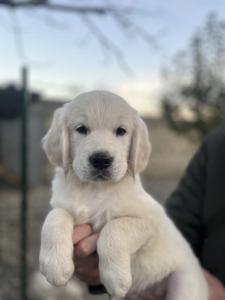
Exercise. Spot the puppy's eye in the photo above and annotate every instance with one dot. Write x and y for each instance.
(120, 131)
(82, 129)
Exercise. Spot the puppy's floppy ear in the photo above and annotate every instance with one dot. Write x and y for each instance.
(56, 141)
(140, 148)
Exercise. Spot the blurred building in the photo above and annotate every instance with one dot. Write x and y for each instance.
(40, 113)
(171, 152)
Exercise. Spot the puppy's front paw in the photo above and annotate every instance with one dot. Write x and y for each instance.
(117, 283)
(57, 267)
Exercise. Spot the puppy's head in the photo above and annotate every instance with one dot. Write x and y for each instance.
(99, 137)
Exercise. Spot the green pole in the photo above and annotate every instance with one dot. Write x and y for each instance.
(24, 184)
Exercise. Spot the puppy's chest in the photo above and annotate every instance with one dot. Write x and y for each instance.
(93, 209)
(97, 217)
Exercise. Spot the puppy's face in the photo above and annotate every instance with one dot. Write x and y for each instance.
(100, 150)
(94, 136)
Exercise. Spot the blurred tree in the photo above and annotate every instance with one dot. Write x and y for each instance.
(194, 98)
(121, 13)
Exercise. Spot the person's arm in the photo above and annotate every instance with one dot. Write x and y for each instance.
(185, 205)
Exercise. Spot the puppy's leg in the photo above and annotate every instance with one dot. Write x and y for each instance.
(119, 239)
(184, 284)
(56, 254)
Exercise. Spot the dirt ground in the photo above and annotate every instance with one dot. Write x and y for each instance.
(10, 241)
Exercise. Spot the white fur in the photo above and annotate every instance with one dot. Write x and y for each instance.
(139, 247)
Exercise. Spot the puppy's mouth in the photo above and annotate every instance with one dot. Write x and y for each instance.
(100, 176)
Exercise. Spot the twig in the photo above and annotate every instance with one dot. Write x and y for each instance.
(99, 10)
(108, 44)
(126, 24)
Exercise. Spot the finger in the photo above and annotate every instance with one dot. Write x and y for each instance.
(86, 246)
(80, 232)
(87, 264)
(211, 279)
(149, 298)
(91, 279)
(87, 269)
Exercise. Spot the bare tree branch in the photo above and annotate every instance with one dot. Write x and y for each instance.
(120, 14)
(126, 25)
(107, 44)
(81, 9)
(99, 10)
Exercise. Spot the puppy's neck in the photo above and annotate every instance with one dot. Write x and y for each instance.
(127, 180)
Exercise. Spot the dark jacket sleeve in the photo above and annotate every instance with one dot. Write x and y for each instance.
(185, 205)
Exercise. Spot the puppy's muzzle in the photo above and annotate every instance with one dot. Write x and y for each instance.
(100, 161)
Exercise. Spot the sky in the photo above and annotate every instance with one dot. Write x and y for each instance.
(66, 58)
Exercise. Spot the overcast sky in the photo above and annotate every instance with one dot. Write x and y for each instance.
(66, 58)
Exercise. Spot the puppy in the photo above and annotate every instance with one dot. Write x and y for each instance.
(99, 146)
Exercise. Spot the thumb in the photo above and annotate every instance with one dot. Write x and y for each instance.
(150, 297)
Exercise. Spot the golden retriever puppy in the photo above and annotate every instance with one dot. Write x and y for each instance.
(99, 145)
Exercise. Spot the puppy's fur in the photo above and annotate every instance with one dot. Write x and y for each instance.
(139, 247)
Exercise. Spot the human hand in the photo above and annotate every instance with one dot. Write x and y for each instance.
(85, 244)
(151, 297)
(216, 288)
(86, 258)
(147, 297)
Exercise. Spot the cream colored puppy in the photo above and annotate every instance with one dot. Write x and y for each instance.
(99, 145)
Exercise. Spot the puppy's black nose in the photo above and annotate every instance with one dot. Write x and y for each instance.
(101, 160)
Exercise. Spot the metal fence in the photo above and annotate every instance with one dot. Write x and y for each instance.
(14, 270)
